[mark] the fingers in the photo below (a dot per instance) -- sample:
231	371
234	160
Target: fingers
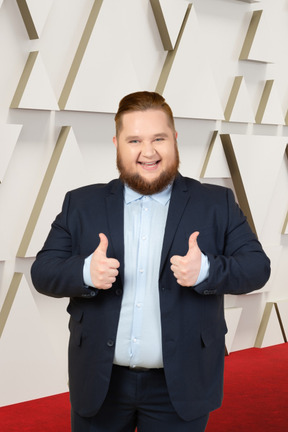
192	243
103	245
103	270
186	268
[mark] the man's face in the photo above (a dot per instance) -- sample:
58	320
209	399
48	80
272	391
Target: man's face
147	154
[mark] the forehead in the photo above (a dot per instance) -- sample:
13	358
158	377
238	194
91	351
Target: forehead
151	120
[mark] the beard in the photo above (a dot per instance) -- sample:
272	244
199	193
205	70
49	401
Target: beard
144	187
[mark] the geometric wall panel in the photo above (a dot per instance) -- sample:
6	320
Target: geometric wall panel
79	54
270	330
34	14
269	109
238	108
258	44
186	80
34	90
115	69
215	164
232	318
169	17
23	332
9	134
65	171
254	163
285	226
282	310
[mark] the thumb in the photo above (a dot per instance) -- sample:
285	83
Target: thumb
103	245
193	240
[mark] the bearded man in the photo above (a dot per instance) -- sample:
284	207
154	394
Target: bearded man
146	260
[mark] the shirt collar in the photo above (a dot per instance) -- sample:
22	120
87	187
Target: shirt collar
162	197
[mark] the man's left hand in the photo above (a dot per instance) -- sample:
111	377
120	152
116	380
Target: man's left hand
186	268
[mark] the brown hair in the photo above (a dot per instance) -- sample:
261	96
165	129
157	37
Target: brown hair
142	101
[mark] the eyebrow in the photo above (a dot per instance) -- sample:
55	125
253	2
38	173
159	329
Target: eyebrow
157	135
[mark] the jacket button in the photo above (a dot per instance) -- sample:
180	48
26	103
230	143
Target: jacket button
110	342
118	291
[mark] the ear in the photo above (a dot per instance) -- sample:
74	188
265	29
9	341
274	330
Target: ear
115	141
176	135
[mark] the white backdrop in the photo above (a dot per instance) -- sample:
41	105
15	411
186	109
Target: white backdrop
62	74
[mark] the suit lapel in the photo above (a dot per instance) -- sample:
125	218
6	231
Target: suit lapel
178	202
115	212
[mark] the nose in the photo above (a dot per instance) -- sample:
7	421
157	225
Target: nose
148	149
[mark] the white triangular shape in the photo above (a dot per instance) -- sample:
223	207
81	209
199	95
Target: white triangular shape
70	174
232	318
285	227
273	113
190	88
217	166
263	45
38	92
39	11
242	110
29	366
9	134
282	306
111	69
174	13
273	334
259	159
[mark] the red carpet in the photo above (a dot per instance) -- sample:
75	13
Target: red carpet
255	398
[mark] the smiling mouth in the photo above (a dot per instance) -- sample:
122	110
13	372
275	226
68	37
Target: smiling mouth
149	164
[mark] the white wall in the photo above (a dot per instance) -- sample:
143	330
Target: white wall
125	53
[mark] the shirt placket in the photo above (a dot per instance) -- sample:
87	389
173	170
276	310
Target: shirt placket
141	279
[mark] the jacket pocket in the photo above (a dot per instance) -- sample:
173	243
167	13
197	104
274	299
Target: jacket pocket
211	334
75	323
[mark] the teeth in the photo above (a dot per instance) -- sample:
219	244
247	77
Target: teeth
149	163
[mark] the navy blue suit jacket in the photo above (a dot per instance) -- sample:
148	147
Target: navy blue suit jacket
192	319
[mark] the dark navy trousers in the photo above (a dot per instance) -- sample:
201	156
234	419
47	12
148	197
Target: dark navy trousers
137	399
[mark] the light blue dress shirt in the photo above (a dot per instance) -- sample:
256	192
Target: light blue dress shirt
138	340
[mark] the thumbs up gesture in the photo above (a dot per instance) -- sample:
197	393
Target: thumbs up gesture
103	270
186	268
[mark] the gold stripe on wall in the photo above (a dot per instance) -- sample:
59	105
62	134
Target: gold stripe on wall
161	24
232	97
237	179
209	152
79	54
286	219
171	56
250	35
43	191
27	18
9	299
264	101
264	324
24	79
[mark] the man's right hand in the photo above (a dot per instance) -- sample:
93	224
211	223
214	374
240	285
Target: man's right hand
103	270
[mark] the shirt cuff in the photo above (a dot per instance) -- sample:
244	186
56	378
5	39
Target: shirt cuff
204	270
86	272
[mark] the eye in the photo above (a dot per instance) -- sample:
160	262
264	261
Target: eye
134	141
159	139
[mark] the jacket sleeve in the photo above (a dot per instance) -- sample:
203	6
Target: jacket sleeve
242	266
57	270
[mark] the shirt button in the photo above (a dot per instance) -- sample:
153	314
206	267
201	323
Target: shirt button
138	305
134	340
144	237
141	271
